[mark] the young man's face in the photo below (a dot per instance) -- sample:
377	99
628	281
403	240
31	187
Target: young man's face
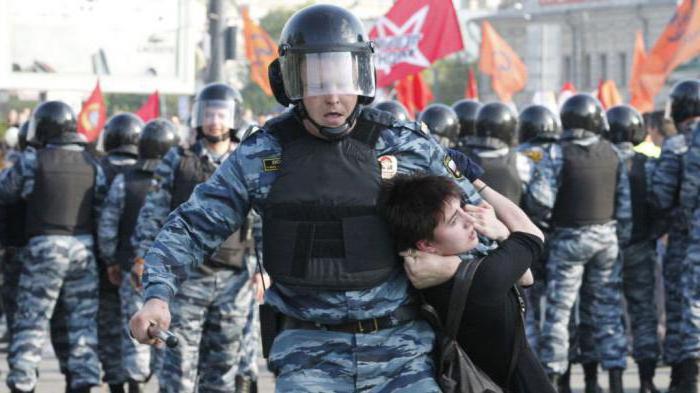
330	110
455	232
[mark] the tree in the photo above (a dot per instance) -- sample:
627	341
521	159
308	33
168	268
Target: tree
451	81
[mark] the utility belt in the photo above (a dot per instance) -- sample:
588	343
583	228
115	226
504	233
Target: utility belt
272	323
210	266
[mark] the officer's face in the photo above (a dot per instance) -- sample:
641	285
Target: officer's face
330	110
455	232
216	121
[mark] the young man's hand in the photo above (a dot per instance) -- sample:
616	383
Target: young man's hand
485	221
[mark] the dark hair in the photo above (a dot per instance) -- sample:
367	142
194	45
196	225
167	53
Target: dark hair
413	206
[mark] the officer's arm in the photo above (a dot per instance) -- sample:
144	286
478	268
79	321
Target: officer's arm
101	190
690	187
524	166
13	181
108	226
540	194
156	206
623	203
666	177
215	210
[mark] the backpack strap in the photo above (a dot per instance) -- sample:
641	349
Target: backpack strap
517	337
458	297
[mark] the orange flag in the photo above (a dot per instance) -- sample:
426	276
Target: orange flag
608	95
679	42
472	91
260	50
507	70
151	108
93	115
639	97
413	93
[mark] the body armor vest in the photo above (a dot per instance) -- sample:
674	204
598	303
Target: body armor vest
321	226
111	170
588	182
501	174
192	171
137	183
63	197
641	215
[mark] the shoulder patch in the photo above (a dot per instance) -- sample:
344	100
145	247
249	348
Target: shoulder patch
535	155
451	167
389	166
272	164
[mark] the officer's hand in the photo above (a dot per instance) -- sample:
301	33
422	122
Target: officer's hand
153	316
427	270
257	281
114	273
485	221
137	273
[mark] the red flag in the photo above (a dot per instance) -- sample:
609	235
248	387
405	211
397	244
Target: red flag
407	44
639	97
151	108
260	50
471	91
413	93
93	115
496	58
679	42
608	95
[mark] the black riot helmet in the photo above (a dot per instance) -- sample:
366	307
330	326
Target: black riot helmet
158	136
537	121
395	108
22	136
442	122
496	120
466	112
53	122
626	125
217	102
685	101
121	134
324	50
583	111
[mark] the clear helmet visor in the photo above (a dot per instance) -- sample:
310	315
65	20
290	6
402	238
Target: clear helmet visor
208	113
318	74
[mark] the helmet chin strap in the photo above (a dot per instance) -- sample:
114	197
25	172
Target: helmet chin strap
332	133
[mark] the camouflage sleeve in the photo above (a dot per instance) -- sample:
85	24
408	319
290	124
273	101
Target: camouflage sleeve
257	235
541	193
524	166
215	210
18	181
108	226
690	186
623	203
666	177
156	206
101	189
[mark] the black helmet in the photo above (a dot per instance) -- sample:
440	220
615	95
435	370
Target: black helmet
323	49
218	96
537	121
158	136
626	125
121	134
685	101
466	111
496	120
22	136
583	111
443	123
395	108
53	122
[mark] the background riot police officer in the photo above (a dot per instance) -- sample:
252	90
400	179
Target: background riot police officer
442	122
59	258
395	108
466	111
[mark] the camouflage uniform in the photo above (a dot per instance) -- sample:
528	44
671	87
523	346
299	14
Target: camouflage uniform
391	359
690	203
59	271
587	254
665	188
211	307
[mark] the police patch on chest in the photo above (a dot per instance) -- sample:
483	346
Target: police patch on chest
389	166
451	167
534	155
271	164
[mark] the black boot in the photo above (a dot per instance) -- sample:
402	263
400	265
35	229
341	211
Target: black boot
564	383
554	379
243	384
688	377
80	389
136	387
675	377
647	369
116	388
590	378
616	380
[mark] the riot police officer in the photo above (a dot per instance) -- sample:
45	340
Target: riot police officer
466	111
583	190
117	220
346	320
639	255
395	108
442	122
59	257
212	306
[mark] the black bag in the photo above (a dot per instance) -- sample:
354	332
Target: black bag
456	373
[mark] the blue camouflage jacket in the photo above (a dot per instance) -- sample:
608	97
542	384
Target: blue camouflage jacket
218	206
690	186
